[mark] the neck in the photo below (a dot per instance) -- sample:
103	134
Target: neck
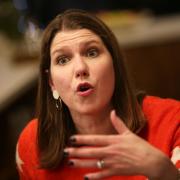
98	123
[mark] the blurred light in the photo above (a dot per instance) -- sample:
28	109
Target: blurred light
20	4
32	29
22	24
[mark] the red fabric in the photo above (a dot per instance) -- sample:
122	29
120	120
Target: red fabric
162	131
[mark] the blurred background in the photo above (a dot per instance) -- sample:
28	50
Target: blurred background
147	30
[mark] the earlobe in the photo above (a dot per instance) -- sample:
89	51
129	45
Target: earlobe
55	94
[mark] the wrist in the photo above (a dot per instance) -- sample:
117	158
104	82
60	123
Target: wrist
166	171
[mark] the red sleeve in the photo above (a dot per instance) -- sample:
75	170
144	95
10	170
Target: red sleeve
176	146
163	119
26	160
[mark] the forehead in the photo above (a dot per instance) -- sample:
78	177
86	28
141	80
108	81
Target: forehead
68	37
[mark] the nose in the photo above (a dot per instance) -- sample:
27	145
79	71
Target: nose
81	68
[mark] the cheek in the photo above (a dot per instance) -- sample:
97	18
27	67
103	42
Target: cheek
107	74
61	83
108	80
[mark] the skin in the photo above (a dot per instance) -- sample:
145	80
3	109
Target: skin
123	154
80	56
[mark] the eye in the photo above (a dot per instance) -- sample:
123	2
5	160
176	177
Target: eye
62	60
92	53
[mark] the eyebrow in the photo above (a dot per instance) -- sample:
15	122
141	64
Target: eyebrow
86	43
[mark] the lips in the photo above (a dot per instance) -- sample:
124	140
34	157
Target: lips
84	89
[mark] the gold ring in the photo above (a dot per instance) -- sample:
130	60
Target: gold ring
100	164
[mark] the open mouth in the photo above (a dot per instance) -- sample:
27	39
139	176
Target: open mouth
84	88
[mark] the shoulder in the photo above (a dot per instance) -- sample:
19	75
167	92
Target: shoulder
163	118
159	111
154	106
26	147
28	135
159	101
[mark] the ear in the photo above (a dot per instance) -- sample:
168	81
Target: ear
53	89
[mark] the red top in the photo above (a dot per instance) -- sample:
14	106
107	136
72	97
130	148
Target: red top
162	131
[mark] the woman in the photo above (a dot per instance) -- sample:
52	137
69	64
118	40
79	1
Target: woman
90	124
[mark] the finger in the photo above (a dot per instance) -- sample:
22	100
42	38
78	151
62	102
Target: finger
86	152
89	163
93	140
118	123
80	163
100	174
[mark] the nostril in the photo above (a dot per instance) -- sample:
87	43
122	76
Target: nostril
84	73
81	74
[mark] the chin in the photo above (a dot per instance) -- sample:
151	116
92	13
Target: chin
86	111
90	109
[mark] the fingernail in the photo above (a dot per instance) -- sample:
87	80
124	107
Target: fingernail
72	140
66	154
70	163
86	178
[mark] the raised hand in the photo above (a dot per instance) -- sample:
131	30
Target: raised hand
121	154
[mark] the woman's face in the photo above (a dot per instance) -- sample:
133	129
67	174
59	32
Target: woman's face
82	71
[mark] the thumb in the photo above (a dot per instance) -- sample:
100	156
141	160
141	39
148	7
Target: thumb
118	123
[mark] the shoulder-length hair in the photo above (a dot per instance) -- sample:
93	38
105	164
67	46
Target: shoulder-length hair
56	126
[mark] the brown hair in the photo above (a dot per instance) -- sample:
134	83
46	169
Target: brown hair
54	126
